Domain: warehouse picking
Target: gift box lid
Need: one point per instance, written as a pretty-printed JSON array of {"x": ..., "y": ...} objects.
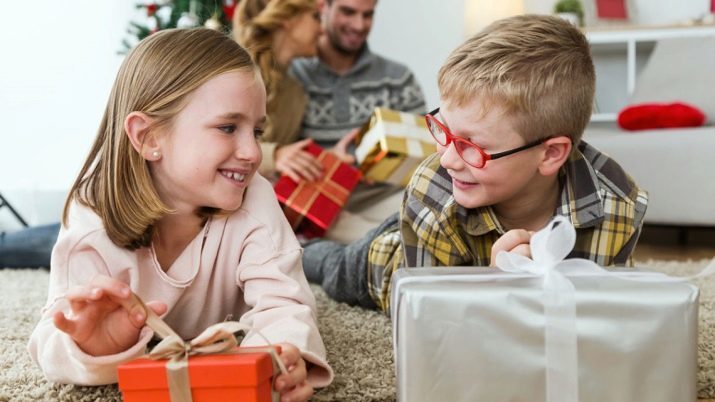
[{"x": 205, "y": 371}]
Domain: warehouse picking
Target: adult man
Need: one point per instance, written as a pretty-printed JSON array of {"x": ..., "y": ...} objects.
[
  {"x": 347, "y": 81},
  {"x": 344, "y": 83}
]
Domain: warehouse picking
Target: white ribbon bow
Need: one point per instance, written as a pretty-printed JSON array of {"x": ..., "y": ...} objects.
[{"x": 549, "y": 248}]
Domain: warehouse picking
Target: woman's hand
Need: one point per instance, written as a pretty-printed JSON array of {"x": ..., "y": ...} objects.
[
  {"x": 104, "y": 319},
  {"x": 515, "y": 240},
  {"x": 292, "y": 385},
  {"x": 293, "y": 161}
]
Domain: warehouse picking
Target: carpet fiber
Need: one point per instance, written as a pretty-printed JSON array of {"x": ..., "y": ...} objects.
[{"x": 358, "y": 342}]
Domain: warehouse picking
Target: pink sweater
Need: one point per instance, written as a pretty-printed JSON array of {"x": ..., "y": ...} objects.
[{"x": 249, "y": 266}]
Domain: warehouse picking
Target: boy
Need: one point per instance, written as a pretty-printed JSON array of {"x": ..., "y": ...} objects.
[{"x": 515, "y": 101}]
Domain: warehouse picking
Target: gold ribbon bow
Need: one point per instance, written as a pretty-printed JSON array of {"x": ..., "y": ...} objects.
[{"x": 216, "y": 339}]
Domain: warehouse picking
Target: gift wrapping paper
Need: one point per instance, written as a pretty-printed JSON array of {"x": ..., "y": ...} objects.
[
  {"x": 320, "y": 202},
  {"x": 551, "y": 330},
  {"x": 392, "y": 144}
]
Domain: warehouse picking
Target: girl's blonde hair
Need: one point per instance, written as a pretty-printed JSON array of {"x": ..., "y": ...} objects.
[
  {"x": 537, "y": 67},
  {"x": 156, "y": 78},
  {"x": 255, "y": 23}
]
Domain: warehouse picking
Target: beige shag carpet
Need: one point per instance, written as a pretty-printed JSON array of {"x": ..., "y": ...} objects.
[{"x": 358, "y": 342}]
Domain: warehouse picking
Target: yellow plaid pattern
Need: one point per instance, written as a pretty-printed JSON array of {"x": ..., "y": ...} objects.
[{"x": 602, "y": 202}]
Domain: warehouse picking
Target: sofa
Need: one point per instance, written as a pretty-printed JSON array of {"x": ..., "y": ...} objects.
[{"x": 676, "y": 165}]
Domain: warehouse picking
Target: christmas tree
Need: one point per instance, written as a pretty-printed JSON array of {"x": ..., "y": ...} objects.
[{"x": 214, "y": 14}]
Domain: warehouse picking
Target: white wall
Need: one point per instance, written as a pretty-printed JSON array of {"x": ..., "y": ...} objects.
[
  {"x": 59, "y": 62},
  {"x": 59, "y": 59}
]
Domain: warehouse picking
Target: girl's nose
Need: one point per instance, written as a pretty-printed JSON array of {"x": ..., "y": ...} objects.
[{"x": 248, "y": 149}]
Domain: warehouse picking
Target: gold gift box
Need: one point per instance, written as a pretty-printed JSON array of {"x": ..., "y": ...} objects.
[{"x": 391, "y": 146}]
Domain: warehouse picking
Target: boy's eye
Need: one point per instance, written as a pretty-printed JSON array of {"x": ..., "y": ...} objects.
[
  {"x": 228, "y": 129},
  {"x": 258, "y": 133}
]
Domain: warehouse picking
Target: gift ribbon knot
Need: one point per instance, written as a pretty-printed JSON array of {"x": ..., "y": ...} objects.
[{"x": 216, "y": 339}]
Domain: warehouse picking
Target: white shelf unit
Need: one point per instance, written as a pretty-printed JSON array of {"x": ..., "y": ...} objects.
[{"x": 619, "y": 54}]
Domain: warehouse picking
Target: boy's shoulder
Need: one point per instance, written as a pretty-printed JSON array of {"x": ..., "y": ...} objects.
[
  {"x": 431, "y": 185},
  {"x": 598, "y": 187}
]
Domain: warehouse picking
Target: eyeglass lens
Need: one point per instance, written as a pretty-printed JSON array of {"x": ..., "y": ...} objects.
[{"x": 468, "y": 152}]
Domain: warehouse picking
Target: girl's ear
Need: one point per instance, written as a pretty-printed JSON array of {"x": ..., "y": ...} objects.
[
  {"x": 137, "y": 125},
  {"x": 557, "y": 153}
]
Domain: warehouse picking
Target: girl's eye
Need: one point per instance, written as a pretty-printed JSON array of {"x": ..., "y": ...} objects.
[
  {"x": 258, "y": 133},
  {"x": 228, "y": 129}
]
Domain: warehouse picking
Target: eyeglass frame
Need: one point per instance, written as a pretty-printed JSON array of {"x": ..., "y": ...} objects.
[{"x": 485, "y": 156}]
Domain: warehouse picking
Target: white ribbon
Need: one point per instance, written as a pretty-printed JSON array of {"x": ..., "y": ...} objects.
[{"x": 549, "y": 247}]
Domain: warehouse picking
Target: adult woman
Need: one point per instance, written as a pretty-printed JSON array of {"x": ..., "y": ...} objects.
[{"x": 275, "y": 32}]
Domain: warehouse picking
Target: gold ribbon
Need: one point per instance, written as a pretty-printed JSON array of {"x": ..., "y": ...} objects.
[{"x": 216, "y": 339}]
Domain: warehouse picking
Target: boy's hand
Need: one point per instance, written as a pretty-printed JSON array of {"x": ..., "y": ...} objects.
[
  {"x": 292, "y": 385},
  {"x": 515, "y": 240},
  {"x": 104, "y": 319},
  {"x": 298, "y": 164}
]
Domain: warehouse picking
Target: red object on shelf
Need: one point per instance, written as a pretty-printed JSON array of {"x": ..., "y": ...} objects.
[
  {"x": 320, "y": 202},
  {"x": 660, "y": 115},
  {"x": 612, "y": 9},
  {"x": 220, "y": 377}
]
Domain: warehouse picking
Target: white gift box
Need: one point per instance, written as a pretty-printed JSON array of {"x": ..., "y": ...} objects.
[{"x": 549, "y": 330}]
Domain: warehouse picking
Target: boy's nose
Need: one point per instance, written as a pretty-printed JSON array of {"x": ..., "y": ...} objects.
[{"x": 449, "y": 157}]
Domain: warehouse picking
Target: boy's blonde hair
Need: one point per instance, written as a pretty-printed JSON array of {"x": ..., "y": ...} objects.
[
  {"x": 537, "y": 67},
  {"x": 156, "y": 78}
]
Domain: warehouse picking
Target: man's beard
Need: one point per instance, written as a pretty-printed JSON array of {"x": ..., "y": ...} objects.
[{"x": 335, "y": 43}]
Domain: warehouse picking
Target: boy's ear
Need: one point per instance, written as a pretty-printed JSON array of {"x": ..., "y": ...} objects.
[
  {"x": 137, "y": 126},
  {"x": 557, "y": 153}
]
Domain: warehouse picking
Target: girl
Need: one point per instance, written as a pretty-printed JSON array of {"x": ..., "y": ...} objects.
[
  {"x": 275, "y": 32},
  {"x": 168, "y": 205}
]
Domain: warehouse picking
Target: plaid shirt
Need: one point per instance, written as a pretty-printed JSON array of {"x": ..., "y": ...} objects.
[{"x": 602, "y": 202}]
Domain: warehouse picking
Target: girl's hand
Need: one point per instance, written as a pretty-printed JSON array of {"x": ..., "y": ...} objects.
[
  {"x": 104, "y": 319},
  {"x": 515, "y": 240},
  {"x": 292, "y": 385}
]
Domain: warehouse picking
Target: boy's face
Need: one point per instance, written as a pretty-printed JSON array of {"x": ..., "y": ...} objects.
[{"x": 505, "y": 180}]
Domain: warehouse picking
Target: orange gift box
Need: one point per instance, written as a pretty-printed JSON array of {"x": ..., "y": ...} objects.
[
  {"x": 242, "y": 377},
  {"x": 320, "y": 202}
]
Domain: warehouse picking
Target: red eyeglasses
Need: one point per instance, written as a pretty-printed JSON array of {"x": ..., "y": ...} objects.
[{"x": 470, "y": 153}]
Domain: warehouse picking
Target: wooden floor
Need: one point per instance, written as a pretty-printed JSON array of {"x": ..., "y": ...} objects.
[{"x": 675, "y": 243}]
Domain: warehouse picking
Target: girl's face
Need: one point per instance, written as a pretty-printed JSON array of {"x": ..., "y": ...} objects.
[
  {"x": 210, "y": 151},
  {"x": 499, "y": 181},
  {"x": 303, "y": 31}
]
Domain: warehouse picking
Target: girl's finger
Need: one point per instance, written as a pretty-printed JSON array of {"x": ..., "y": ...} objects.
[
  {"x": 63, "y": 324},
  {"x": 302, "y": 392}
]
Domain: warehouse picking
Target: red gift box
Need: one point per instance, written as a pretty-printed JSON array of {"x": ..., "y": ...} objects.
[
  {"x": 320, "y": 202},
  {"x": 218, "y": 377}
]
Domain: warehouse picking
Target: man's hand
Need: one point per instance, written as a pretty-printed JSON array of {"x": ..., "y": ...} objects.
[
  {"x": 104, "y": 319},
  {"x": 515, "y": 240},
  {"x": 296, "y": 163},
  {"x": 292, "y": 385},
  {"x": 341, "y": 148}
]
